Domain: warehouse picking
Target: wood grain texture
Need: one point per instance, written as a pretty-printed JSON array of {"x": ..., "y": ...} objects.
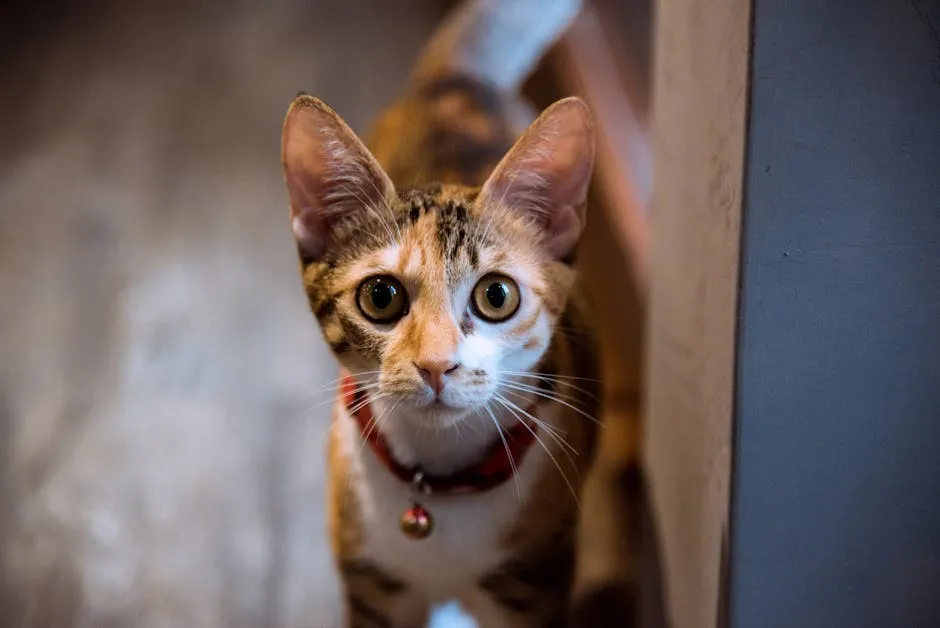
[{"x": 699, "y": 118}]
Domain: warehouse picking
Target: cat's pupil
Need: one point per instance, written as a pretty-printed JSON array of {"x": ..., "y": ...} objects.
[
  {"x": 496, "y": 294},
  {"x": 382, "y": 295}
]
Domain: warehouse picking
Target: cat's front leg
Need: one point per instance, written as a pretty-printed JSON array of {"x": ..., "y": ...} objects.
[
  {"x": 527, "y": 591},
  {"x": 488, "y": 611},
  {"x": 375, "y": 599}
]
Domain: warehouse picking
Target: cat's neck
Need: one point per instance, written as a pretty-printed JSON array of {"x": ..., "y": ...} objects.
[{"x": 441, "y": 449}]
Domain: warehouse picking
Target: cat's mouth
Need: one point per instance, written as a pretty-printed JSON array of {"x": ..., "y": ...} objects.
[
  {"x": 447, "y": 407},
  {"x": 439, "y": 408},
  {"x": 441, "y": 411},
  {"x": 448, "y": 401}
]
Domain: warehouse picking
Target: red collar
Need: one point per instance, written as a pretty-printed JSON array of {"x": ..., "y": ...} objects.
[{"x": 493, "y": 469}]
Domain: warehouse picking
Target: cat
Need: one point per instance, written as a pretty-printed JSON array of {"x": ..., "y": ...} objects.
[{"x": 439, "y": 263}]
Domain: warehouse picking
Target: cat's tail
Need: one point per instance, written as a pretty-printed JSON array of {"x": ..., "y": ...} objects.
[{"x": 498, "y": 41}]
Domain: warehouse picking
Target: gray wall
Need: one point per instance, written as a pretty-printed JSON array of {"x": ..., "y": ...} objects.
[{"x": 836, "y": 513}]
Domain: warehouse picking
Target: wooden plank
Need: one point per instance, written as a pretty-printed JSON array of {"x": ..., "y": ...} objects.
[{"x": 699, "y": 117}]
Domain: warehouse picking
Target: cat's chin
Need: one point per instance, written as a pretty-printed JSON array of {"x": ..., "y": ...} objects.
[
  {"x": 439, "y": 414},
  {"x": 442, "y": 414},
  {"x": 425, "y": 411}
]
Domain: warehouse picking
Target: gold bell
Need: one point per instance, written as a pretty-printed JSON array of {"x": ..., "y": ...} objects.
[{"x": 417, "y": 523}]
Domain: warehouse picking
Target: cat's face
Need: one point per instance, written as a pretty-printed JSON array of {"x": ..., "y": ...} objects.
[
  {"x": 443, "y": 301},
  {"x": 437, "y": 298}
]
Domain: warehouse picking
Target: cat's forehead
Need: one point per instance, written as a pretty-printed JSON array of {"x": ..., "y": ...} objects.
[
  {"x": 442, "y": 237},
  {"x": 437, "y": 198},
  {"x": 442, "y": 220}
]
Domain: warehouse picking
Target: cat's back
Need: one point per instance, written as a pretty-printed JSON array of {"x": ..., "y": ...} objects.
[{"x": 449, "y": 128}]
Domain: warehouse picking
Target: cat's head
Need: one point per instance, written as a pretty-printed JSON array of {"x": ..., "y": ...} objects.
[{"x": 436, "y": 298}]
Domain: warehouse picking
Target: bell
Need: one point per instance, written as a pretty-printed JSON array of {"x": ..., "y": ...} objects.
[{"x": 416, "y": 523}]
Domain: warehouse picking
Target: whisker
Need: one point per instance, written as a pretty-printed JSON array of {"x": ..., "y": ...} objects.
[
  {"x": 547, "y": 426},
  {"x": 373, "y": 424},
  {"x": 356, "y": 407},
  {"x": 363, "y": 386},
  {"x": 355, "y": 390},
  {"x": 549, "y": 379},
  {"x": 509, "y": 406},
  {"x": 330, "y": 386},
  {"x": 541, "y": 393},
  {"x": 365, "y": 401},
  {"x": 472, "y": 425},
  {"x": 533, "y": 389},
  {"x": 557, "y": 377},
  {"x": 353, "y": 375},
  {"x": 346, "y": 395},
  {"x": 512, "y": 463},
  {"x": 552, "y": 431},
  {"x": 370, "y": 427}
]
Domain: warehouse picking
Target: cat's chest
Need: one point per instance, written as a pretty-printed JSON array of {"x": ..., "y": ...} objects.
[{"x": 469, "y": 530}]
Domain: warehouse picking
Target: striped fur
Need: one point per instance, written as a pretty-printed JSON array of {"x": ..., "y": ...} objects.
[{"x": 444, "y": 194}]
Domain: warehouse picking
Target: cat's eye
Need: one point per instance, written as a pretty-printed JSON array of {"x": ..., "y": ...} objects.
[
  {"x": 495, "y": 298},
  {"x": 382, "y": 299}
]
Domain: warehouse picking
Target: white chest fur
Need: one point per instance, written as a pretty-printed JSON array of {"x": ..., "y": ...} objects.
[{"x": 468, "y": 528}]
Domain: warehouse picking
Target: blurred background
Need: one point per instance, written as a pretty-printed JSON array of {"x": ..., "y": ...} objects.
[{"x": 161, "y": 380}]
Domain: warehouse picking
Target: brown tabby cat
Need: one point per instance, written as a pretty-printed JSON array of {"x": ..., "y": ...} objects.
[{"x": 439, "y": 266}]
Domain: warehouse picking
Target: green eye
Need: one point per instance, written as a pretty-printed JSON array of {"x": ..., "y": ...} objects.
[
  {"x": 495, "y": 298},
  {"x": 382, "y": 299}
]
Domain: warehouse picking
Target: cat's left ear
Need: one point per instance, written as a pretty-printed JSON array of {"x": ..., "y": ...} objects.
[
  {"x": 329, "y": 173},
  {"x": 547, "y": 172}
]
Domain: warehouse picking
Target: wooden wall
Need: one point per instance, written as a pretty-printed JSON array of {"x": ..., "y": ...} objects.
[{"x": 700, "y": 99}]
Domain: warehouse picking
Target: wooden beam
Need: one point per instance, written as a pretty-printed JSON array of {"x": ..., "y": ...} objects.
[{"x": 701, "y": 81}]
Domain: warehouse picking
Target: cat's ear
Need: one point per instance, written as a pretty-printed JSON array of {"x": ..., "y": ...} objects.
[
  {"x": 547, "y": 172},
  {"x": 328, "y": 171}
]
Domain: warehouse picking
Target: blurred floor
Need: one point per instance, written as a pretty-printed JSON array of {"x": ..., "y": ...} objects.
[{"x": 160, "y": 435}]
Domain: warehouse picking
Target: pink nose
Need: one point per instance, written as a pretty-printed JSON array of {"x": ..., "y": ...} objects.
[{"x": 435, "y": 373}]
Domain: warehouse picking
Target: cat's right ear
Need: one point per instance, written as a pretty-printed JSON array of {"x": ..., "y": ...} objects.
[{"x": 329, "y": 173}]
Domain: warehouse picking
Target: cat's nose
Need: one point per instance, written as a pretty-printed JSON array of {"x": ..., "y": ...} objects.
[{"x": 435, "y": 373}]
